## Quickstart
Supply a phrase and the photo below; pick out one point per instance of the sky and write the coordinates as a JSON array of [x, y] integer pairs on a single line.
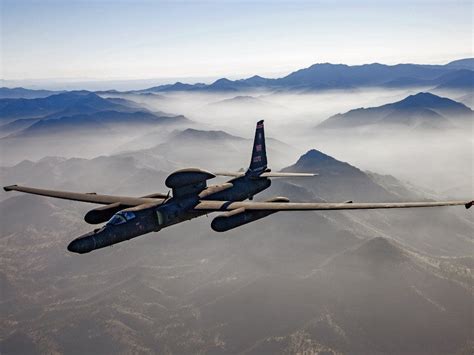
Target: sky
[[120, 39]]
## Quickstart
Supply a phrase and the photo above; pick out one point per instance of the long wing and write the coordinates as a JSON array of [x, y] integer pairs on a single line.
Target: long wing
[[269, 174], [85, 197], [288, 175], [304, 206]]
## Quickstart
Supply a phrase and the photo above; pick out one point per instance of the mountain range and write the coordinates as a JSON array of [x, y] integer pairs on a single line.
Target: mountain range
[[77, 122], [63, 104], [458, 74], [102, 121], [84, 135], [22, 93], [423, 110], [74, 107], [455, 75]]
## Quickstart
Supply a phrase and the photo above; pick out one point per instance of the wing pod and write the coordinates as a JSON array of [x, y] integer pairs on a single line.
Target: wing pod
[[240, 216]]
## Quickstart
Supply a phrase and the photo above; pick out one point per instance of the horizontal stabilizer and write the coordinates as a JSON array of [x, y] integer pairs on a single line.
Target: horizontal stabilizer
[[229, 173], [288, 175], [269, 174]]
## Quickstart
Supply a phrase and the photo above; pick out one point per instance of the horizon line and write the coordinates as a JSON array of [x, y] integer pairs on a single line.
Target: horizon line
[[207, 78]]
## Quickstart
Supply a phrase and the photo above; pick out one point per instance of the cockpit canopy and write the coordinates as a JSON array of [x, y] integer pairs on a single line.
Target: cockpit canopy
[[121, 217]]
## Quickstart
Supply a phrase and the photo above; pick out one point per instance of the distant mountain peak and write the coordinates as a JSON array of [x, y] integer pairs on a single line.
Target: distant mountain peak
[[222, 81], [423, 110], [466, 63], [314, 155], [337, 180], [315, 159], [429, 100], [177, 86], [240, 99], [424, 94], [327, 65], [243, 97], [423, 98], [256, 81], [191, 133]]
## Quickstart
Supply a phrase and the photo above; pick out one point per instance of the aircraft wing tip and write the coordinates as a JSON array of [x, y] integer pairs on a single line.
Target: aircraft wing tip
[[9, 187]]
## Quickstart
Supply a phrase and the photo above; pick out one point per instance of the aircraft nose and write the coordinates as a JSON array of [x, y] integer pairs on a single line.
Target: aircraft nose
[[74, 246], [83, 244]]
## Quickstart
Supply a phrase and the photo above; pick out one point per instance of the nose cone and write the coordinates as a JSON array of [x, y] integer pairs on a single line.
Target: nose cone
[[83, 244]]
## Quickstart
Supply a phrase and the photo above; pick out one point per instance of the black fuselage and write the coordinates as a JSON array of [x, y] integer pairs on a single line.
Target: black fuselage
[[138, 221]]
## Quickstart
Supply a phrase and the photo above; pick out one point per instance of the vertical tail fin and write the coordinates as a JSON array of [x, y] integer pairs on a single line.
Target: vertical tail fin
[[258, 163]]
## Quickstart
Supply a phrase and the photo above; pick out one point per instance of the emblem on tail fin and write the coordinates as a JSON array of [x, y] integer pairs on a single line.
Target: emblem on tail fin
[[258, 162]]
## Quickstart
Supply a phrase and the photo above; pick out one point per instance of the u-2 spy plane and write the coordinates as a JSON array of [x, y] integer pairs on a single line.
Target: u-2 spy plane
[[130, 217]]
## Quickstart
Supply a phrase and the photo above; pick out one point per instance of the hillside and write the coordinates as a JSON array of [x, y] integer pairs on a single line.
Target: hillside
[[423, 110], [11, 109], [460, 79], [103, 121], [22, 93], [337, 181], [80, 124]]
